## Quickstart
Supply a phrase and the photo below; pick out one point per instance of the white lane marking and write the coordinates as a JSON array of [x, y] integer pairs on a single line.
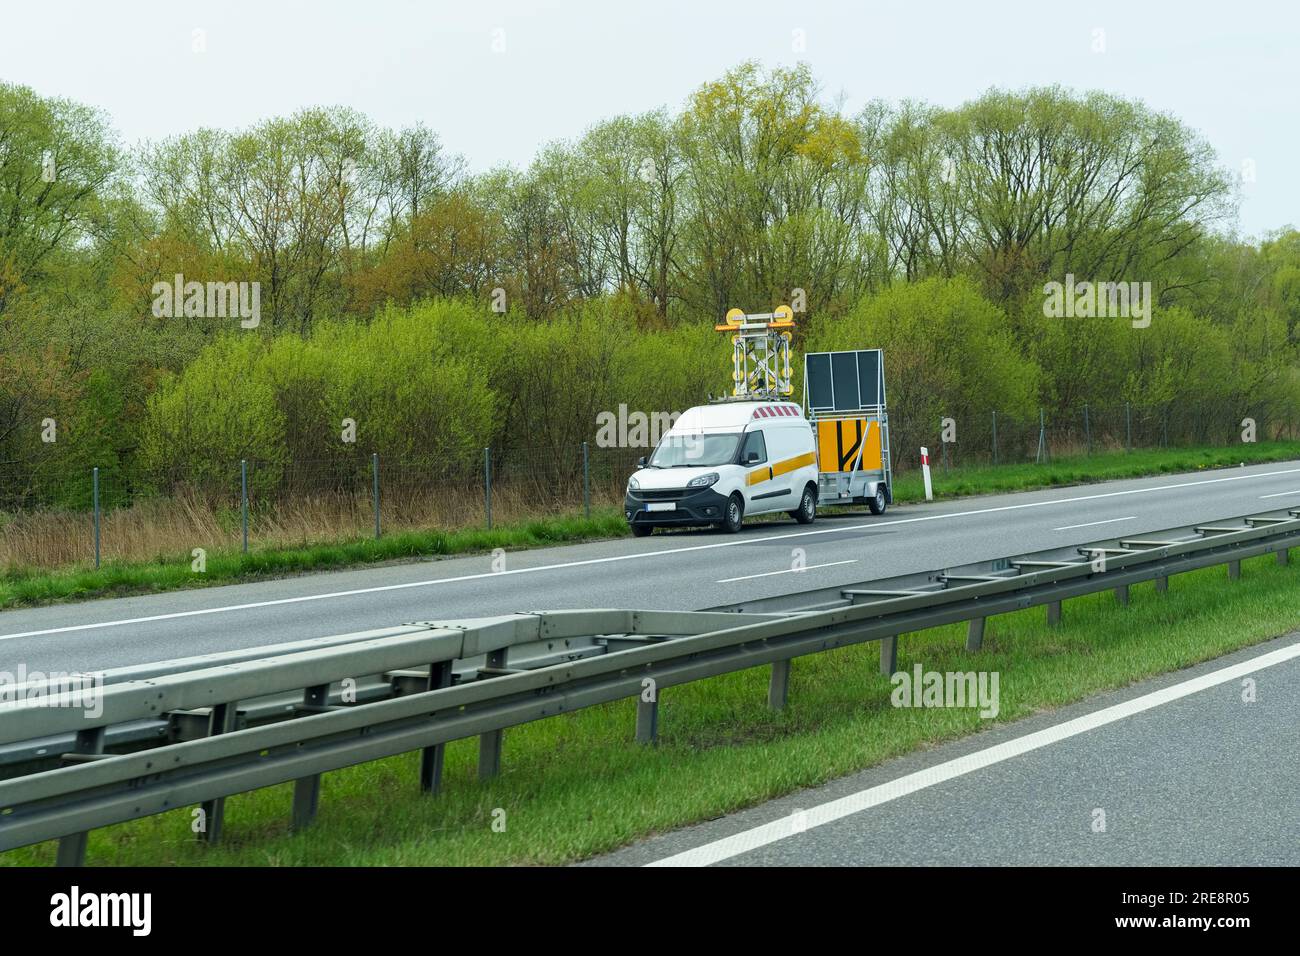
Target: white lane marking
[[1280, 494], [768, 574], [174, 615], [1093, 524], [752, 839]]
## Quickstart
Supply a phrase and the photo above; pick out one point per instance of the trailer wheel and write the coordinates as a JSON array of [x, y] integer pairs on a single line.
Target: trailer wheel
[[879, 502], [807, 510], [735, 514]]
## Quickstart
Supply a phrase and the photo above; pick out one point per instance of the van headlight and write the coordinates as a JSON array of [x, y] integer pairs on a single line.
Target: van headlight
[[633, 484], [703, 481]]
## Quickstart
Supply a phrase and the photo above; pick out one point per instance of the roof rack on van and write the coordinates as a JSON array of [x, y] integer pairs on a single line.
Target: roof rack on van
[[760, 353]]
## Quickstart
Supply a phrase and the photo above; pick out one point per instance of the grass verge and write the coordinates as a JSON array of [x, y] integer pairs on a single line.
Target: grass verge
[[1085, 469], [576, 785], [27, 587], [30, 586]]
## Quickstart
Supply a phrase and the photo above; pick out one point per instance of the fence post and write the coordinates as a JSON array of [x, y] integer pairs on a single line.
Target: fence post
[[1087, 430], [374, 491], [94, 493], [487, 485], [995, 437], [243, 499], [1128, 427], [586, 482]]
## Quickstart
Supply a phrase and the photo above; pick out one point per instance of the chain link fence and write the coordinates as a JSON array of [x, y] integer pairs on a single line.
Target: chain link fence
[[51, 515], [998, 438], [58, 518]]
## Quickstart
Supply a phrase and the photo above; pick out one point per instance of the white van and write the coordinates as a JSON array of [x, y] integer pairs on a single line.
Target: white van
[[722, 462]]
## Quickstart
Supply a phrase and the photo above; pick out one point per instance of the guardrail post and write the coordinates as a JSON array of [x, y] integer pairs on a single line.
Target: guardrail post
[[490, 743], [223, 720], [647, 719], [975, 634], [72, 848], [94, 494], [1284, 556], [1053, 613], [1234, 570], [243, 500], [778, 687], [1162, 585], [1121, 594], [431, 757], [889, 655], [306, 790], [586, 481]]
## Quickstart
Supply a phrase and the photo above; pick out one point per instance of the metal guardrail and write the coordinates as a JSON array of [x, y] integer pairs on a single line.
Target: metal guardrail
[[216, 727]]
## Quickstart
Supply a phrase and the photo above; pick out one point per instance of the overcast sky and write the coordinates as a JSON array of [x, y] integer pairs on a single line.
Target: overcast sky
[[1230, 70]]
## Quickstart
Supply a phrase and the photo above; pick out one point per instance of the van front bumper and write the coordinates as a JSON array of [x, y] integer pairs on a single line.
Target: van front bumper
[[689, 506]]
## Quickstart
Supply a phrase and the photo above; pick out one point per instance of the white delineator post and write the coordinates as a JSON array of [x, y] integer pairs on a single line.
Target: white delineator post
[[925, 472]]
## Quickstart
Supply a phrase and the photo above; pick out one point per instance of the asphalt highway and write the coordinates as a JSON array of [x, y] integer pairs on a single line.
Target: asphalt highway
[[678, 570], [1189, 768]]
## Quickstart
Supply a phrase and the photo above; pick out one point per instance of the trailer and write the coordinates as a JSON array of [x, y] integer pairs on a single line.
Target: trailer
[[844, 399]]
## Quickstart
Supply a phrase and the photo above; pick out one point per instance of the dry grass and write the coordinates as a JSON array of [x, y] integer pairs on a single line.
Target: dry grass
[[156, 528]]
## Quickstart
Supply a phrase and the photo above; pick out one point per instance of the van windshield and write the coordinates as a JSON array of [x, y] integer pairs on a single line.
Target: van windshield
[[695, 451]]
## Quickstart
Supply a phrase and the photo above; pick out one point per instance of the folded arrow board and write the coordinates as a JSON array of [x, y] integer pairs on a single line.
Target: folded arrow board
[[844, 393]]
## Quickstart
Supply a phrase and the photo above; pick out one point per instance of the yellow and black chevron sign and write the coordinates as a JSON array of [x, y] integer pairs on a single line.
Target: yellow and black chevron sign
[[838, 443]]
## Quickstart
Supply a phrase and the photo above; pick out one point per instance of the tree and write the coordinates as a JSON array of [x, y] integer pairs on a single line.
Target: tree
[[56, 159]]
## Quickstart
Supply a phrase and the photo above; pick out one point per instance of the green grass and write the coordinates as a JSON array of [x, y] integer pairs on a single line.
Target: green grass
[[1084, 469], [576, 785], [31, 586]]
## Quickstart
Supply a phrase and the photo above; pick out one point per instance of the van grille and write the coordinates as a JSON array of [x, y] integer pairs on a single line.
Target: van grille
[[662, 494]]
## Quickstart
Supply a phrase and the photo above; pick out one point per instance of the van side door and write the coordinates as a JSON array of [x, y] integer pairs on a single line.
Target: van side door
[[758, 471]]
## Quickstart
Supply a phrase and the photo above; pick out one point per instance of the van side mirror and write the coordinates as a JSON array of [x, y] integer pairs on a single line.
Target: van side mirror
[[640, 462]]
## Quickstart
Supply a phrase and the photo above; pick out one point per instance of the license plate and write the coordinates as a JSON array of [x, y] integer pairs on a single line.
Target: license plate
[[661, 506]]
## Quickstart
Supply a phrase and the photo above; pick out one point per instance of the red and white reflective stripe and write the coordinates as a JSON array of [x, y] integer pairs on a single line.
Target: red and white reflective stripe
[[925, 457], [776, 411]]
